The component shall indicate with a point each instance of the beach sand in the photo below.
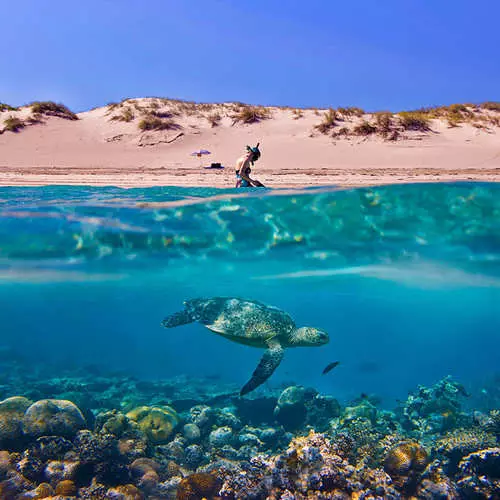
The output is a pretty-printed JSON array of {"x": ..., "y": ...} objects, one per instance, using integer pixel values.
[{"x": 96, "y": 150}]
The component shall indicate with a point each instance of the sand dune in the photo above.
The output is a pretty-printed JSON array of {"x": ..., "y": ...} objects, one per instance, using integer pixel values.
[{"x": 99, "y": 150}]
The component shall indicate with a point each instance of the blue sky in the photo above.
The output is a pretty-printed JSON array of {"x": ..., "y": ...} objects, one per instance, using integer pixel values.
[{"x": 376, "y": 54}]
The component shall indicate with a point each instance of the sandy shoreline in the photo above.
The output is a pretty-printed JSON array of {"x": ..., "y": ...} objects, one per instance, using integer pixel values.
[
  {"x": 98, "y": 150},
  {"x": 39, "y": 176}
]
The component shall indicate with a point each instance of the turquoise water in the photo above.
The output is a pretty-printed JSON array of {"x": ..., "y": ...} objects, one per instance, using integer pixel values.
[{"x": 405, "y": 279}]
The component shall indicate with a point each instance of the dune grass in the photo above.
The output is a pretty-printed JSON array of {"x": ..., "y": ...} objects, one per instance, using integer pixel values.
[
  {"x": 329, "y": 121},
  {"x": 50, "y": 108},
  {"x": 126, "y": 115},
  {"x": 251, "y": 114},
  {"x": 491, "y": 106},
  {"x": 151, "y": 122},
  {"x": 414, "y": 120},
  {"x": 214, "y": 119},
  {"x": 364, "y": 128},
  {"x": 350, "y": 111},
  {"x": 7, "y": 107},
  {"x": 13, "y": 124}
]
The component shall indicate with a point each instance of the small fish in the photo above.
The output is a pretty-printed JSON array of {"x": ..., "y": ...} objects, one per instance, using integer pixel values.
[{"x": 330, "y": 367}]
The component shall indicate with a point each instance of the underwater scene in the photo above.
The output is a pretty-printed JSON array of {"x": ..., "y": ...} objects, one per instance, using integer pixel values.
[{"x": 198, "y": 343}]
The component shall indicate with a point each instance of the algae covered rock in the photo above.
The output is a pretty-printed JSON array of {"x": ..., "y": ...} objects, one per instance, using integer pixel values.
[
  {"x": 11, "y": 417},
  {"x": 53, "y": 417},
  {"x": 157, "y": 422}
]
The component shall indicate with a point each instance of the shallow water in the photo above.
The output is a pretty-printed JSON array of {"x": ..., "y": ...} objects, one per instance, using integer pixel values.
[{"x": 405, "y": 279}]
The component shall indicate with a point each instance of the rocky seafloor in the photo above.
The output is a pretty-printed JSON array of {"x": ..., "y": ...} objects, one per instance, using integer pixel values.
[{"x": 95, "y": 436}]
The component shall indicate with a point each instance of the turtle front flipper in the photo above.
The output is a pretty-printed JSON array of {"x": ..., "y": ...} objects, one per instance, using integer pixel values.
[{"x": 268, "y": 363}]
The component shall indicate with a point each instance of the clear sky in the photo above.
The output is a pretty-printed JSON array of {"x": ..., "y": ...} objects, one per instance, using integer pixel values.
[{"x": 376, "y": 54}]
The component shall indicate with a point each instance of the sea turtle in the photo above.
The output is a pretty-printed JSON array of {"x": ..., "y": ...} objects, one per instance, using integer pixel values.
[{"x": 251, "y": 323}]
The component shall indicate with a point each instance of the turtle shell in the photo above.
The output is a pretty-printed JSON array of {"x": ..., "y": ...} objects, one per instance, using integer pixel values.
[{"x": 244, "y": 321}]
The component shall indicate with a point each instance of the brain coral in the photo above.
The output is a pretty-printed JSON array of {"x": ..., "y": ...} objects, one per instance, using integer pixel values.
[
  {"x": 157, "y": 422},
  {"x": 53, "y": 417},
  {"x": 11, "y": 415}
]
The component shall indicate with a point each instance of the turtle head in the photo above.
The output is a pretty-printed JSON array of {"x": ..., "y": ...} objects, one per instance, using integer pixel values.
[{"x": 308, "y": 336}]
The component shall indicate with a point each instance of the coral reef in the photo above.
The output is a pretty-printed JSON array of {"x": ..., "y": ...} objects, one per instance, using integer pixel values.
[{"x": 98, "y": 437}]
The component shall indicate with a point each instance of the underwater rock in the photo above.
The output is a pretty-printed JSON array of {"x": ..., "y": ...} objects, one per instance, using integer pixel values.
[
  {"x": 203, "y": 416},
  {"x": 194, "y": 456},
  {"x": 114, "y": 422},
  {"x": 132, "y": 448},
  {"x": 225, "y": 418},
  {"x": 435, "y": 484},
  {"x": 157, "y": 422},
  {"x": 53, "y": 417},
  {"x": 92, "y": 448},
  {"x": 221, "y": 436},
  {"x": 492, "y": 423},
  {"x": 363, "y": 410},
  {"x": 290, "y": 410},
  {"x": 11, "y": 415},
  {"x": 146, "y": 473},
  {"x": 30, "y": 466},
  {"x": 173, "y": 450},
  {"x": 320, "y": 410},
  {"x": 248, "y": 439},
  {"x": 43, "y": 490},
  {"x": 256, "y": 410},
  {"x": 479, "y": 474},
  {"x": 5, "y": 463},
  {"x": 437, "y": 407},
  {"x": 191, "y": 433},
  {"x": 10, "y": 489},
  {"x": 405, "y": 462},
  {"x": 95, "y": 491},
  {"x": 455, "y": 445},
  {"x": 197, "y": 486},
  {"x": 111, "y": 473}
]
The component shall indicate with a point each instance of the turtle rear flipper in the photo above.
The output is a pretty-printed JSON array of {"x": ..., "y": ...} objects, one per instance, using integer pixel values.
[{"x": 268, "y": 363}]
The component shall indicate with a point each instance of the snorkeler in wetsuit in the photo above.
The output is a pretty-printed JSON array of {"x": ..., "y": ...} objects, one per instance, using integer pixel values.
[{"x": 243, "y": 168}]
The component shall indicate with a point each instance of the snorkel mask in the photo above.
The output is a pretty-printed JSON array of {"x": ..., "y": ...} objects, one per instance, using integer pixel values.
[{"x": 256, "y": 152}]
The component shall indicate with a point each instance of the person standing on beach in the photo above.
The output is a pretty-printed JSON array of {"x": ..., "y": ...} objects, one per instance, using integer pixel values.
[{"x": 243, "y": 168}]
